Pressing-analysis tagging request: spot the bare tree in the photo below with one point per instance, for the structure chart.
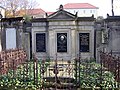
(32, 4)
(112, 1)
(12, 6)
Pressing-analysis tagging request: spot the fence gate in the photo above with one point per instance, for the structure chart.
(59, 74)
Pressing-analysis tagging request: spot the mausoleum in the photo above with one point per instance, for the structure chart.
(63, 34)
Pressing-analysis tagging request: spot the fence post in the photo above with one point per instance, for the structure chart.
(42, 72)
(101, 63)
(75, 72)
(118, 64)
(56, 72)
(35, 68)
(79, 62)
(36, 71)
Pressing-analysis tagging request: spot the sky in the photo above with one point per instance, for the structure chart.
(103, 5)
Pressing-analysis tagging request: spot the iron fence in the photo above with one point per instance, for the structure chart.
(10, 59)
(67, 75)
(111, 63)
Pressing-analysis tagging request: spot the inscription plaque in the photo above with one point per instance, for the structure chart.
(40, 42)
(84, 42)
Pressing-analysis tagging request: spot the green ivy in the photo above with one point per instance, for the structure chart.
(91, 76)
(20, 80)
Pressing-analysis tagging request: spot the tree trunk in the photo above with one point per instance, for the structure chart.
(112, 8)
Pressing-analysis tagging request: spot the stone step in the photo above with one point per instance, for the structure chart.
(63, 86)
(61, 79)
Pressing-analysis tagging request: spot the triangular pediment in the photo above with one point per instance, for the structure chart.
(62, 15)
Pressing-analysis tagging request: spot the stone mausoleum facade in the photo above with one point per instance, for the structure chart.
(112, 34)
(63, 34)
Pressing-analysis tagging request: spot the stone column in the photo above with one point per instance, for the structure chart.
(73, 42)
